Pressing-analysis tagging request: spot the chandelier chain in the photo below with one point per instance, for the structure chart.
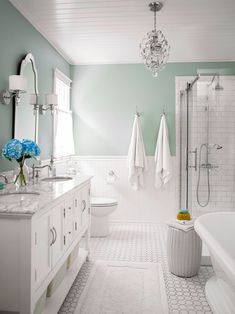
(155, 16)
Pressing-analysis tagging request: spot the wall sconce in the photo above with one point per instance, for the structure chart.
(17, 85)
(34, 100)
(51, 102)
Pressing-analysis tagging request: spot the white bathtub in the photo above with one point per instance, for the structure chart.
(217, 231)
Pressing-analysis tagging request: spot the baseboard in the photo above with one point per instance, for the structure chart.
(117, 221)
(206, 261)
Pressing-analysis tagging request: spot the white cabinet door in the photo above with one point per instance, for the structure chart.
(77, 212)
(68, 221)
(42, 249)
(68, 209)
(57, 229)
(85, 205)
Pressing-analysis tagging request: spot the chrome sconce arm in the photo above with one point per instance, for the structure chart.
(51, 103)
(44, 108)
(6, 97)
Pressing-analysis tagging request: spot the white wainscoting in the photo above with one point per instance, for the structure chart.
(147, 205)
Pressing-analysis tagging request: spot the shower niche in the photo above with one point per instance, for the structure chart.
(206, 142)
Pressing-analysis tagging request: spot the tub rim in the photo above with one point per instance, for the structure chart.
(221, 255)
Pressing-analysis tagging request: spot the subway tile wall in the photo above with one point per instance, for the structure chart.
(212, 120)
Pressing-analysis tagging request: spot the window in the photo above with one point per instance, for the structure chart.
(64, 141)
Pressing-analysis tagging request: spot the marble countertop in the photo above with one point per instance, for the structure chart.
(18, 203)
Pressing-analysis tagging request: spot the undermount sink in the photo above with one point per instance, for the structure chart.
(15, 197)
(21, 193)
(57, 179)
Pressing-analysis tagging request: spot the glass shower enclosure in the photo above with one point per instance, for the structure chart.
(207, 144)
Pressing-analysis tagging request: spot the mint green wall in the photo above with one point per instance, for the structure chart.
(17, 38)
(104, 98)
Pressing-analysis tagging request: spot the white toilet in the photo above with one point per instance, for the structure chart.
(101, 208)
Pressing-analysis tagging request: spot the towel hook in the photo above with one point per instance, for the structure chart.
(137, 112)
(163, 110)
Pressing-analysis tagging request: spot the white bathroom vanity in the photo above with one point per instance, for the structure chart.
(38, 233)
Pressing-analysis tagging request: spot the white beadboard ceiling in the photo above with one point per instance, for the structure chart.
(109, 31)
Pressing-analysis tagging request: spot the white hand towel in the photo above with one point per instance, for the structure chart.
(163, 171)
(136, 159)
(187, 226)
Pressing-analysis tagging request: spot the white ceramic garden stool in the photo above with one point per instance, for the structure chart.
(101, 208)
(184, 250)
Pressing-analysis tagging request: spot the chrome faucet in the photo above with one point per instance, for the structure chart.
(4, 177)
(36, 170)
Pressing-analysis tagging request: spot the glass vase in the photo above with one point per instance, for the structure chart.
(21, 178)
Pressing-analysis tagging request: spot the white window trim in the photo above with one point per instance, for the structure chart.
(61, 76)
(67, 81)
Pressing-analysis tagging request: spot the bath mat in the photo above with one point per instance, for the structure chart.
(124, 288)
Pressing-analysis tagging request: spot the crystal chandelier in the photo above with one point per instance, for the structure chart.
(154, 49)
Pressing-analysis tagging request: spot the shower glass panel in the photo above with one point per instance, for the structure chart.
(188, 154)
(207, 145)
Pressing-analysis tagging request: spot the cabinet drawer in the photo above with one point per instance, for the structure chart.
(77, 212)
(68, 209)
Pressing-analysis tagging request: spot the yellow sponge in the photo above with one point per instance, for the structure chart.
(183, 216)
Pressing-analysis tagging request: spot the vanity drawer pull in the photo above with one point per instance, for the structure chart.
(84, 205)
(55, 234)
(52, 237)
(76, 226)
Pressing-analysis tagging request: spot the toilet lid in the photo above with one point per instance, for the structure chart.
(101, 201)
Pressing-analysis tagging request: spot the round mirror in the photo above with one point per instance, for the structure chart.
(26, 118)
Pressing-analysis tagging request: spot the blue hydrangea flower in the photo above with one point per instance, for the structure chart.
(19, 150)
(13, 150)
(30, 148)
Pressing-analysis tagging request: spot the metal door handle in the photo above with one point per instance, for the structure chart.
(84, 205)
(195, 164)
(195, 159)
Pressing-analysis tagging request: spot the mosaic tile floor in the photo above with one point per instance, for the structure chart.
(144, 243)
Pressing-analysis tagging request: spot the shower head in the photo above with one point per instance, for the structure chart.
(218, 87)
(217, 146)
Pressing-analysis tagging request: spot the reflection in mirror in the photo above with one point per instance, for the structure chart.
(26, 118)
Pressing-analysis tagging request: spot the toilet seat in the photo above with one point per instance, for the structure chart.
(103, 202)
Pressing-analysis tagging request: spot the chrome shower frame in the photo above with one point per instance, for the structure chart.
(187, 167)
